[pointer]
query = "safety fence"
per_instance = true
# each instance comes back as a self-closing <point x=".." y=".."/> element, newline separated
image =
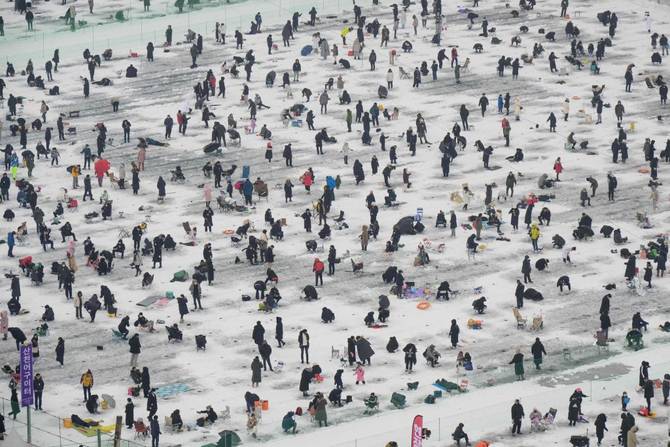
<point x="48" y="430"/>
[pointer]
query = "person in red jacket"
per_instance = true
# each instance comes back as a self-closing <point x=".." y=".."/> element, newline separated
<point x="318" y="268"/>
<point x="506" y="130"/>
<point x="558" y="167"/>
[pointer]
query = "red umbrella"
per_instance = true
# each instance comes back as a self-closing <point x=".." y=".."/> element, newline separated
<point x="101" y="166"/>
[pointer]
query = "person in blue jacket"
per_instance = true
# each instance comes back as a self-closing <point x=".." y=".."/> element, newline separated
<point x="10" y="243"/>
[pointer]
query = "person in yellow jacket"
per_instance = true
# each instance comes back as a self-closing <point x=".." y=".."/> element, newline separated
<point x="87" y="383"/>
<point x="75" y="176"/>
<point x="534" y="236"/>
<point x="346" y="30"/>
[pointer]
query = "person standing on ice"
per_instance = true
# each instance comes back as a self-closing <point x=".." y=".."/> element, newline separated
<point x="483" y="104"/>
<point x="454" y="331"/>
<point x="303" y="343"/>
<point x="517" y="361"/>
<point x="318" y="268"/>
<point x="517" y="416"/>
<point x="537" y="350"/>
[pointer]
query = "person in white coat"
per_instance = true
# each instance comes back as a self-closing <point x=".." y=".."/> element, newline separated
<point x="565" y="108"/>
<point x="517" y="108"/>
<point x="389" y="79"/>
<point x="345" y="152"/>
<point x="647" y="21"/>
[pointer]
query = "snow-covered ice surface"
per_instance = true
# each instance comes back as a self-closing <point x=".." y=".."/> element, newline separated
<point x="221" y="375"/>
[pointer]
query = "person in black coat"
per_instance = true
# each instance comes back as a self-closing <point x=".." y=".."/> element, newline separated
<point x="160" y="184"/>
<point x="537" y="350"/>
<point x="265" y="350"/>
<point x="601" y="428"/>
<point x="155" y="431"/>
<point x="146" y="381"/>
<point x="279" y="332"/>
<point x="182" y="302"/>
<point x="517" y="416"/>
<point x="605" y="304"/>
<point x="152" y="403"/>
<point x="630" y="268"/>
<point x="305" y="379"/>
<point x="38" y="387"/>
<point x="518" y="293"/>
<point x="60" y="351"/>
<point x="18" y="336"/>
<point x="525" y="269"/>
<point x="135" y="349"/>
<point x="130" y="413"/>
<point x="16" y="288"/>
<point x="327" y="315"/>
<point x="573" y="412"/>
<point x="123" y="326"/>
<point x="410" y="356"/>
<point x="649" y="393"/>
<point x="454" y="330"/>
<point x="528" y="217"/>
<point x="258" y="333"/>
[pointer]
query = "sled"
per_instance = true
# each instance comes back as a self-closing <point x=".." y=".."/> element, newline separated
<point x="448" y="387"/>
<point x="180" y="276"/>
<point x="306" y="50"/>
<point x="146" y="302"/>
<point x="423" y="305"/>
<point x="118" y="335"/>
<point x="644" y="412"/>
<point x="474" y="324"/>
<point x="172" y="389"/>
<point x="187" y="227"/>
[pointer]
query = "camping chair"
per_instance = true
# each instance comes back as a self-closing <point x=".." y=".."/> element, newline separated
<point x="141" y="430"/>
<point x="634" y="340"/>
<point x="466" y="66"/>
<point x="403" y="73"/>
<point x="371" y="405"/>
<point x="334" y="353"/>
<point x="398" y="400"/>
<point x="538" y="323"/>
<point x="520" y="320"/>
<point x="262" y="190"/>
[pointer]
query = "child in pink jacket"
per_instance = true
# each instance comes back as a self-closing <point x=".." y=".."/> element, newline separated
<point x="360" y="374"/>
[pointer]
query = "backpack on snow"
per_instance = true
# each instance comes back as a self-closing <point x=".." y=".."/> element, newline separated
<point x="298" y="411"/>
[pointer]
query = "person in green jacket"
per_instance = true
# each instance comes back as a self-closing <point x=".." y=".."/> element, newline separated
<point x="16" y="408"/>
<point x="349" y="119"/>
<point x="517" y="360"/>
<point x="288" y="424"/>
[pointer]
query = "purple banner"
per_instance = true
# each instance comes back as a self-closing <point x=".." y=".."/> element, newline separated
<point x="26" y="366"/>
